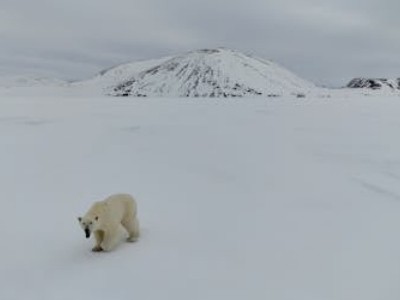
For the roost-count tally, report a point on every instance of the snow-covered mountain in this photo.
(202, 73)
(375, 83)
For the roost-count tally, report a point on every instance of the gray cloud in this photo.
(328, 42)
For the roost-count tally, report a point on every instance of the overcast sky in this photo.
(327, 42)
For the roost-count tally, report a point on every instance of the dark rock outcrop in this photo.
(375, 83)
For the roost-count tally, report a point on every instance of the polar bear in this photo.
(104, 220)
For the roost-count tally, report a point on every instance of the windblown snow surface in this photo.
(238, 199)
(29, 82)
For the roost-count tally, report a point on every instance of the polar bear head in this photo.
(89, 224)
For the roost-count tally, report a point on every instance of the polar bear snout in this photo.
(87, 225)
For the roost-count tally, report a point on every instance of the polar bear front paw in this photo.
(97, 249)
(132, 239)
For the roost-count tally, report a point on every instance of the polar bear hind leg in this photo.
(132, 227)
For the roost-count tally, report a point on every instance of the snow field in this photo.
(238, 199)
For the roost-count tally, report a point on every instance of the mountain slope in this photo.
(107, 79)
(203, 73)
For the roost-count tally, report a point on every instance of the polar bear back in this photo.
(114, 208)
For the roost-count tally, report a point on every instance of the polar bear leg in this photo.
(132, 226)
(99, 236)
(109, 241)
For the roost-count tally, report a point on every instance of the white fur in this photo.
(105, 218)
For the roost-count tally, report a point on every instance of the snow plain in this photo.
(238, 199)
